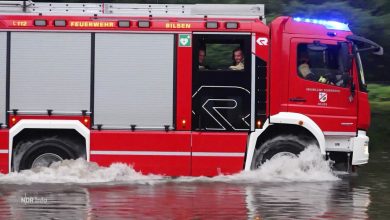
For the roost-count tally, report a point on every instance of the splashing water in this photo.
(79, 171)
(309, 166)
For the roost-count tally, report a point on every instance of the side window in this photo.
(322, 66)
(222, 55)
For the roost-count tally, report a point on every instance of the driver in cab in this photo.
(305, 71)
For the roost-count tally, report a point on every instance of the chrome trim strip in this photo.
(337, 133)
(217, 154)
(141, 153)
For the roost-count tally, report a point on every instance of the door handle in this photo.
(296, 99)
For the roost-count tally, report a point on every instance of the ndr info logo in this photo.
(32, 200)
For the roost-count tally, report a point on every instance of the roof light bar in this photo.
(332, 25)
(124, 24)
(143, 24)
(59, 23)
(41, 23)
(231, 25)
(212, 24)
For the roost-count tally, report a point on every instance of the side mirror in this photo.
(370, 45)
(378, 51)
(317, 46)
(345, 58)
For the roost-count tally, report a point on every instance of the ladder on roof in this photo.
(118, 9)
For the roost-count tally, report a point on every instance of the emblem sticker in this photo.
(184, 40)
(323, 96)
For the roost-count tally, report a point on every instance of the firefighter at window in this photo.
(305, 71)
(201, 59)
(238, 59)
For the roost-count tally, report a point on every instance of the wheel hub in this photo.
(45, 160)
(284, 154)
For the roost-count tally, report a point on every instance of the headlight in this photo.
(366, 147)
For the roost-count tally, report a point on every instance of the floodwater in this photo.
(284, 188)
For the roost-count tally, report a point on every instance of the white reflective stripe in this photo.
(151, 153)
(336, 133)
(217, 154)
(3, 151)
(167, 153)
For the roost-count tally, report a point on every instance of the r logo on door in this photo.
(262, 41)
(323, 96)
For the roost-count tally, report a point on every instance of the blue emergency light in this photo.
(333, 25)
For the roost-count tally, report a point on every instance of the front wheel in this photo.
(280, 146)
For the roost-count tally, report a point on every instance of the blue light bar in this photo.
(333, 25)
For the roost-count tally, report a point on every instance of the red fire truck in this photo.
(177, 89)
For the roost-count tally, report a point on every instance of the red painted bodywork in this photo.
(184, 88)
(283, 83)
(364, 116)
(14, 119)
(340, 114)
(337, 112)
(262, 50)
(217, 142)
(157, 24)
(168, 142)
(278, 85)
(4, 147)
(144, 141)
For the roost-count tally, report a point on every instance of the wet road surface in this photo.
(118, 192)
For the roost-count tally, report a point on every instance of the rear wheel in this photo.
(43, 153)
(280, 146)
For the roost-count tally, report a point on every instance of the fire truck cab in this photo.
(177, 89)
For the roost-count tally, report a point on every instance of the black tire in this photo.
(274, 146)
(54, 146)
